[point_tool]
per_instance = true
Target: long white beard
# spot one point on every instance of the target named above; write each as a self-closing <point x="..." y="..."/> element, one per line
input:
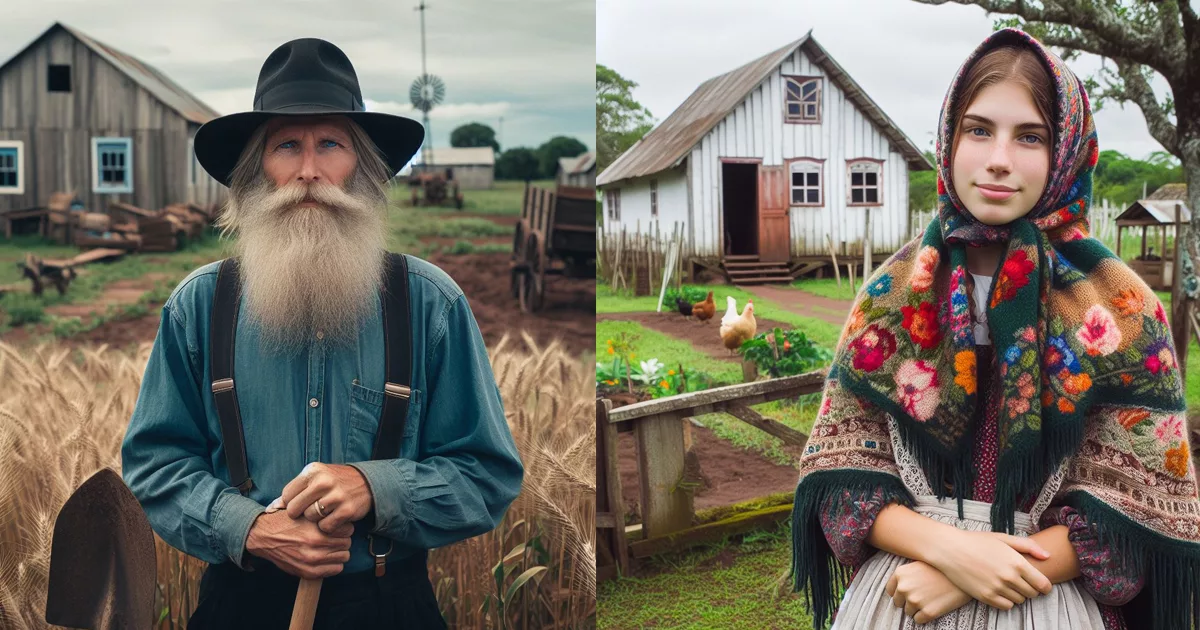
<point x="309" y="269"/>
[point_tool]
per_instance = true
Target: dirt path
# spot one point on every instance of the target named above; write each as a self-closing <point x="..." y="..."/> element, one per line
<point x="121" y="292"/>
<point x="807" y="304"/>
<point x="730" y="474"/>
<point x="706" y="337"/>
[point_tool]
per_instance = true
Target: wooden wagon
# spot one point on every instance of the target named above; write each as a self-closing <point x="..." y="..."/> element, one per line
<point x="555" y="236"/>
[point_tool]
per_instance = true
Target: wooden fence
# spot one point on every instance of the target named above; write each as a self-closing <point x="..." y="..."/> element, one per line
<point x="635" y="261"/>
<point x="666" y="507"/>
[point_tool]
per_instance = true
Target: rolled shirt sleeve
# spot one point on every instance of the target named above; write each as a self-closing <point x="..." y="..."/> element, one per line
<point x="846" y="520"/>
<point x="1107" y="576"/>
<point x="468" y="470"/>
<point x="165" y="456"/>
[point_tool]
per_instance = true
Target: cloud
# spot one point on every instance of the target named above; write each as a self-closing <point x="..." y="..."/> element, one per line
<point x="447" y="111"/>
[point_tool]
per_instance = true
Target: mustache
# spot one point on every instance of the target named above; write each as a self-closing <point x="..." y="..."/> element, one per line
<point x="284" y="198"/>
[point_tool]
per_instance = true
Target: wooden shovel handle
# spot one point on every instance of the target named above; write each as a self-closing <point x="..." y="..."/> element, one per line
<point x="305" y="610"/>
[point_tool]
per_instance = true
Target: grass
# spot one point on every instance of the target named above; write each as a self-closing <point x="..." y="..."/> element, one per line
<point x="66" y="413"/>
<point x="670" y="351"/>
<point x="828" y="287"/>
<point x="797" y="414"/>
<point x="694" y="590"/>
<point x="504" y="198"/>
<point x="822" y="332"/>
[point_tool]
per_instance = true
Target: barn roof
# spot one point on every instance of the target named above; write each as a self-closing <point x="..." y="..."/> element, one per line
<point x="147" y="76"/>
<point x="1160" y="210"/>
<point x="579" y="164"/>
<point x="673" y="139"/>
<point x="460" y="156"/>
<point x="1170" y="191"/>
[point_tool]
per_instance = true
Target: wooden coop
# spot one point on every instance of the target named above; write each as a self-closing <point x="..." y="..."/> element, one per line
<point x="1168" y="216"/>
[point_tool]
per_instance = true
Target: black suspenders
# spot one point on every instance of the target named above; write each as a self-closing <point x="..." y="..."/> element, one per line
<point x="398" y="364"/>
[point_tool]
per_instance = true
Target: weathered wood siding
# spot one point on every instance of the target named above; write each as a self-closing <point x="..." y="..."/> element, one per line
<point x="57" y="129"/>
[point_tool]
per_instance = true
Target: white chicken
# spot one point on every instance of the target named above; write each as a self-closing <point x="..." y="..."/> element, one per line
<point x="731" y="312"/>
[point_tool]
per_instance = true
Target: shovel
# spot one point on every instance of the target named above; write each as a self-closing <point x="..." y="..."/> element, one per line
<point x="103" y="571"/>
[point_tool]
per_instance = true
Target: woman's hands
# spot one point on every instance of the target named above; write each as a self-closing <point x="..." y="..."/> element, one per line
<point x="989" y="567"/>
<point x="924" y="592"/>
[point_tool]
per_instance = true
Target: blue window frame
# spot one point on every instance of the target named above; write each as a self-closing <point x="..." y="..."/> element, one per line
<point x="112" y="165"/>
<point x="12" y="180"/>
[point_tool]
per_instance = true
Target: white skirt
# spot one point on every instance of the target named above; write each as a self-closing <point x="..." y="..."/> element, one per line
<point x="867" y="606"/>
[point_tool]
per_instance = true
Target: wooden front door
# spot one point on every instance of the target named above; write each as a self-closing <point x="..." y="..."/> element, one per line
<point x="774" y="232"/>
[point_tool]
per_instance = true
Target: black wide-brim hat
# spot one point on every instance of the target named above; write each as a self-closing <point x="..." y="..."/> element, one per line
<point x="305" y="77"/>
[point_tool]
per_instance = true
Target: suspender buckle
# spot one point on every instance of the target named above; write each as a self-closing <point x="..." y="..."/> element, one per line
<point x="222" y="385"/>
<point x="380" y="559"/>
<point x="398" y="391"/>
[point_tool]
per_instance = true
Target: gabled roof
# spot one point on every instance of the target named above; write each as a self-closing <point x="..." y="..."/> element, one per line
<point x="459" y="156"/>
<point x="1170" y="191"/>
<point x="673" y="139"/>
<point x="1160" y="210"/>
<point x="579" y="164"/>
<point x="150" y="78"/>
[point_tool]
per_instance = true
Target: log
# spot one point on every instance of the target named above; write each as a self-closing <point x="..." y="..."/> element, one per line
<point x="716" y="399"/>
<point x="774" y="427"/>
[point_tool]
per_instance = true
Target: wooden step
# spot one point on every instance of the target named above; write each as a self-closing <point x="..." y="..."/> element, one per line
<point x="741" y="258"/>
<point x="755" y="265"/>
<point x="772" y="271"/>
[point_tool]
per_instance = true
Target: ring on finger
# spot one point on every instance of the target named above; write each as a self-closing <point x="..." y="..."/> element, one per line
<point x="320" y="509"/>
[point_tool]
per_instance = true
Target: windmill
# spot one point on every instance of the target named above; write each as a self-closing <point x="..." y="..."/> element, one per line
<point x="426" y="91"/>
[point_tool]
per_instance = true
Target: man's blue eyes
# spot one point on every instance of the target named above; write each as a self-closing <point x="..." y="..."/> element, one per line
<point x="324" y="143"/>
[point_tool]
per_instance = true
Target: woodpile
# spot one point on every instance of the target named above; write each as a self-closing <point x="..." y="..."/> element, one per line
<point x="122" y="226"/>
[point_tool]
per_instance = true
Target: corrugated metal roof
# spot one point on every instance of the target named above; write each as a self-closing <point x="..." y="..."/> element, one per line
<point x="1161" y="210"/>
<point x="459" y="156"/>
<point x="674" y="138"/>
<point x="154" y="81"/>
<point x="579" y="164"/>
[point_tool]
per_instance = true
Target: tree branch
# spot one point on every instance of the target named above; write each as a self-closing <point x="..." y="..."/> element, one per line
<point x="1137" y="90"/>
<point x="1117" y="36"/>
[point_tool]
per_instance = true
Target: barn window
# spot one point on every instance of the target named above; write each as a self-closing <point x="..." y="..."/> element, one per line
<point x="58" y="78"/>
<point x="654" y="197"/>
<point x="12" y="175"/>
<point x="806" y="183"/>
<point x="864" y="182"/>
<point x="112" y="170"/>
<point x="802" y="100"/>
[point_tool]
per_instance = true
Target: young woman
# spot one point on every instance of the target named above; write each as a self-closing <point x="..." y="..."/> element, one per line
<point x="1002" y="441"/>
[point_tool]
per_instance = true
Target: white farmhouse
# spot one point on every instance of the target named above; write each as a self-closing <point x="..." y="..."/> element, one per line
<point x="762" y="163"/>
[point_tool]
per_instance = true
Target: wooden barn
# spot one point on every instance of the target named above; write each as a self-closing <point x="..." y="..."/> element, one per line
<point x="763" y="163"/>
<point x="578" y="171"/>
<point x="77" y="115"/>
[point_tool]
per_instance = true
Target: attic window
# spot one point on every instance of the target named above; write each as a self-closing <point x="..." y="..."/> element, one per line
<point x="58" y="78"/>
<point x="802" y="99"/>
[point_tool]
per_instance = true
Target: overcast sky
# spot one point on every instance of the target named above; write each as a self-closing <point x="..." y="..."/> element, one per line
<point x="528" y="61"/>
<point x="902" y="53"/>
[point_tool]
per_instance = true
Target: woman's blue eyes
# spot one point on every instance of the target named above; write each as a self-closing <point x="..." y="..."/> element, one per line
<point x="1035" y="137"/>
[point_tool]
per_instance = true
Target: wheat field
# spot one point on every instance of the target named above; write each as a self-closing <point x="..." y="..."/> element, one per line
<point x="63" y="413"/>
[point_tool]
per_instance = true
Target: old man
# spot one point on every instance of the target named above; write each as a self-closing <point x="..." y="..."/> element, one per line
<point x="256" y="441"/>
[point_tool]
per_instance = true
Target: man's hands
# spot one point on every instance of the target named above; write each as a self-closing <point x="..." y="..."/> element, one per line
<point x="924" y="592"/>
<point x="314" y="546"/>
<point x="341" y="489"/>
<point x="298" y="547"/>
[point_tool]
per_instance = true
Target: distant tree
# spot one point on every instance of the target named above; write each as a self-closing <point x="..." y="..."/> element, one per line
<point x="474" y="135"/>
<point x="557" y="147"/>
<point x="922" y="188"/>
<point x="1121" y="179"/>
<point x="1140" y="38"/>
<point x="519" y="163"/>
<point x="620" y="120"/>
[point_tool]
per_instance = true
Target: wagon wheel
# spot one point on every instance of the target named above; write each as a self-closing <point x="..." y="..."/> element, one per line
<point x="531" y="283"/>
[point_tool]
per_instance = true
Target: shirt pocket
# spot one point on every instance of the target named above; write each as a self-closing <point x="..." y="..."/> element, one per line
<point x="366" y="410"/>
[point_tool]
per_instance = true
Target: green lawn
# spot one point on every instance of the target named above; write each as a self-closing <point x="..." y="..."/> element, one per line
<point x="819" y="331"/>
<point x="669" y="351"/>
<point x="706" y="588"/>
<point x="828" y="287"/>
<point x="504" y="198"/>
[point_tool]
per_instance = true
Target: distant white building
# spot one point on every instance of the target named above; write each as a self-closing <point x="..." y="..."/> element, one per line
<point x="473" y="167"/>
<point x="578" y="171"/>
<point x="762" y="163"/>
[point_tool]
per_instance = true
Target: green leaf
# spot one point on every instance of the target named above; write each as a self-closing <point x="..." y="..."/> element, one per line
<point x="521" y="580"/>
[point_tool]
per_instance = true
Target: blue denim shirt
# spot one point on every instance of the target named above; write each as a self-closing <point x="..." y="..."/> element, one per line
<point x="458" y="469"/>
